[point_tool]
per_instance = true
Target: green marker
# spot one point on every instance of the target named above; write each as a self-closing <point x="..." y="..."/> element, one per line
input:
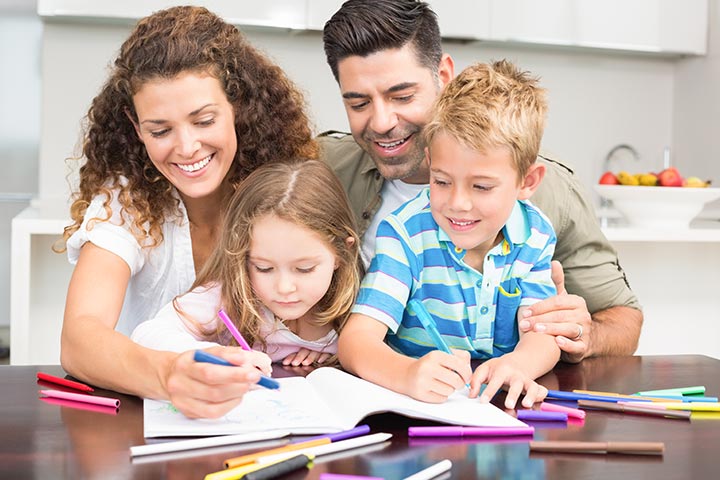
<point x="699" y="390"/>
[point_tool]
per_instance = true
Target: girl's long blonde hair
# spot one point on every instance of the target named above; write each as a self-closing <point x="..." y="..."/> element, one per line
<point x="306" y="193"/>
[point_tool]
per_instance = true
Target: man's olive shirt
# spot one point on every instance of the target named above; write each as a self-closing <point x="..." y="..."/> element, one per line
<point x="591" y="265"/>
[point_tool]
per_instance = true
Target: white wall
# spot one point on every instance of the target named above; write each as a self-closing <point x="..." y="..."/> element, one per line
<point x="597" y="100"/>
<point x="20" y="36"/>
<point x="696" y="116"/>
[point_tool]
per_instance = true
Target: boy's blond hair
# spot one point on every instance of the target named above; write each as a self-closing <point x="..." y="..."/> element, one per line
<point x="493" y="105"/>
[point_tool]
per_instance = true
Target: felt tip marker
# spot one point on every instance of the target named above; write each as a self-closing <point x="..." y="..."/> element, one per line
<point x="429" y="325"/>
<point x="541" y="416"/>
<point x="469" y="431"/>
<point x="432" y="471"/>
<point x="571" y="412"/>
<point x="233" y="330"/>
<point x="628" y="448"/>
<point x="203" y="356"/>
<point x="64" y="382"/>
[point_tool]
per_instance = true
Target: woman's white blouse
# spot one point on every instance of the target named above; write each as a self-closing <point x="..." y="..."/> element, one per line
<point x="158" y="273"/>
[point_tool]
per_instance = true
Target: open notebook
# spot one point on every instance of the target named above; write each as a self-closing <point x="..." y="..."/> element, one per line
<point x="327" y="400"/>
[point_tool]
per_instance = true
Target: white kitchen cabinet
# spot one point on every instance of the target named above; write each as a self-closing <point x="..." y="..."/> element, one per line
<point x="468" y="19"/>
<point x="320" y="11"/>
<point x="464" y="19"/>
<point x="39" y="279"/>
<point x="287" y="14"/>
<point x="660" y="26"/>
<point x="550" y="22"/>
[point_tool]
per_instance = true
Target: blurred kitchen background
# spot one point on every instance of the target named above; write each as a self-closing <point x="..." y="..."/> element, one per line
<point x="643" y="73"/>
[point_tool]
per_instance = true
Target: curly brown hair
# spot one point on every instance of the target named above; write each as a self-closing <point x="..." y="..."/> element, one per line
<point x="270" y="119"/>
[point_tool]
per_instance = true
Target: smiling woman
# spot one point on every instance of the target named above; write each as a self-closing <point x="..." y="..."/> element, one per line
<point x="189" y="110"/>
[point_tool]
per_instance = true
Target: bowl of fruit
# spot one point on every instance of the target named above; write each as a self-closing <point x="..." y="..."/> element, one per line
<point x="664" y="200"/>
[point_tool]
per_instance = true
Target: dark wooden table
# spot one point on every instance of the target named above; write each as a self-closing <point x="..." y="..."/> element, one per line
<point x="41" y="440"/>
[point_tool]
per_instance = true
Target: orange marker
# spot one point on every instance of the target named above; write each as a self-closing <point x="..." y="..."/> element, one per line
<point x="245" y="459"/>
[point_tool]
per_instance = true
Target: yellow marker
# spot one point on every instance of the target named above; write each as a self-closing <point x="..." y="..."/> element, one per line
<point x="629" y="397"/>
<point x="694" y="406"/>
<point x="240" y="472"/>
<point x="245" y="459"/>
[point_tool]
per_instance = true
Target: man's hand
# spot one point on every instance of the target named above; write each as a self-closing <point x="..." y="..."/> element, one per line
<point x="565" y="316"/>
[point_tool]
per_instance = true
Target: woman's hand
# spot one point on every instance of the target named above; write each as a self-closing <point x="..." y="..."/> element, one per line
<point x="205" y="390"/>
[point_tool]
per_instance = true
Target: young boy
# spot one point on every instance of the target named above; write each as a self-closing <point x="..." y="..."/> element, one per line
<point x="471" y="249"/>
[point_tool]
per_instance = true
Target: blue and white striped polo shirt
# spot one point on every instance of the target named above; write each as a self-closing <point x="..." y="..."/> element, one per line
<point x="414" y="258"/>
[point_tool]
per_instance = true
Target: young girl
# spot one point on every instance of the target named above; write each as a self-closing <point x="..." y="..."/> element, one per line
<point x="285" y="271"/>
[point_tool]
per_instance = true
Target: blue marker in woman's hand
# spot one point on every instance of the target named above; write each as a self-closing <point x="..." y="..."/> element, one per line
<point x="203" y="356"/>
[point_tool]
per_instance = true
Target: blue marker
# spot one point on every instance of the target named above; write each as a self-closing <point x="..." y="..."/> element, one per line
<point x="429" y="326"/>
<point x="202" y="356"/>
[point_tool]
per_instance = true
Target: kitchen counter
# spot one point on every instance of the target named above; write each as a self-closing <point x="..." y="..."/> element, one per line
<point x="674" y="274"/>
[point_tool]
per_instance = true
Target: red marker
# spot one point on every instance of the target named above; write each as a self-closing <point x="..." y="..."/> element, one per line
<point x="64" y="382"/>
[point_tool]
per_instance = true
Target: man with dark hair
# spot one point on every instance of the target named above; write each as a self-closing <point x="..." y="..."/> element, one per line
<point x="387" y="58"/>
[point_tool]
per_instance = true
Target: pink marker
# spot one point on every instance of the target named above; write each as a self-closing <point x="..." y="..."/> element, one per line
<point x="79" y="397"/>
<point x="572" y="412"/>
<point x="469" y="431"/>
<point x="233" y="330"/>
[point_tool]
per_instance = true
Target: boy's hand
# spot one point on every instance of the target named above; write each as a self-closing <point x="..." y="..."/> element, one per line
<point x="435" y="376"/>
<point x="305" y="357"/>
<point x="564" y="316"/>
<point x="502" y="371"/>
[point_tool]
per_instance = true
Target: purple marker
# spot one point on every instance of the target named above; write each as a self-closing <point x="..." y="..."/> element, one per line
<point x="542" y="416"/>
<point x="469" y="431"/>
<point x="344" y="435"/>
<point x="340" y="476"/>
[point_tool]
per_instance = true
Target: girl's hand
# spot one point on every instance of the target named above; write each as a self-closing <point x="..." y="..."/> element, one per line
<point x="435" y="376"/>
<point x="205" y="390"/>
<point x="305" y="357"/>
<point x="502" y="371"/>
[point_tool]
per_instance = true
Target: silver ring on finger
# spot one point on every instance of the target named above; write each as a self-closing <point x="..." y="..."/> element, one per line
<point x="579" y="334"/>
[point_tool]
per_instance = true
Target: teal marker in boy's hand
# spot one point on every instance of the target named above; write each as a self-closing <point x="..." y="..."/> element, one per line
<point x="203" y="356"/>
<point x="429" y="325"/>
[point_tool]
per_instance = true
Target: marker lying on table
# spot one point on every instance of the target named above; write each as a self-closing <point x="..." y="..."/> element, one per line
<point x="652" y="411"/>
<point x="64" y="382"/>
<point x="691" y="406"/>
<point x="432" y="471"/>
<point x="344" y="435"/>
<point x="624" y="396"/>
<point x="267" y="472"/>
<point x="429" y="325"/>
<point x="574" y="396"/>
<point x="469" y="431"/>
<point x="262" y="471"/>
<point x="571" y="412"/>
<point x="195" y="443"/>
<point x="698" y="390"/>
<point x="628" y="448"/>
<point x="333" y="447"/>
<point x="80" y="397"/>
<point x="203" y="356"/>
<point x="291" y="448"/>
<point x="541" y="416"/>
